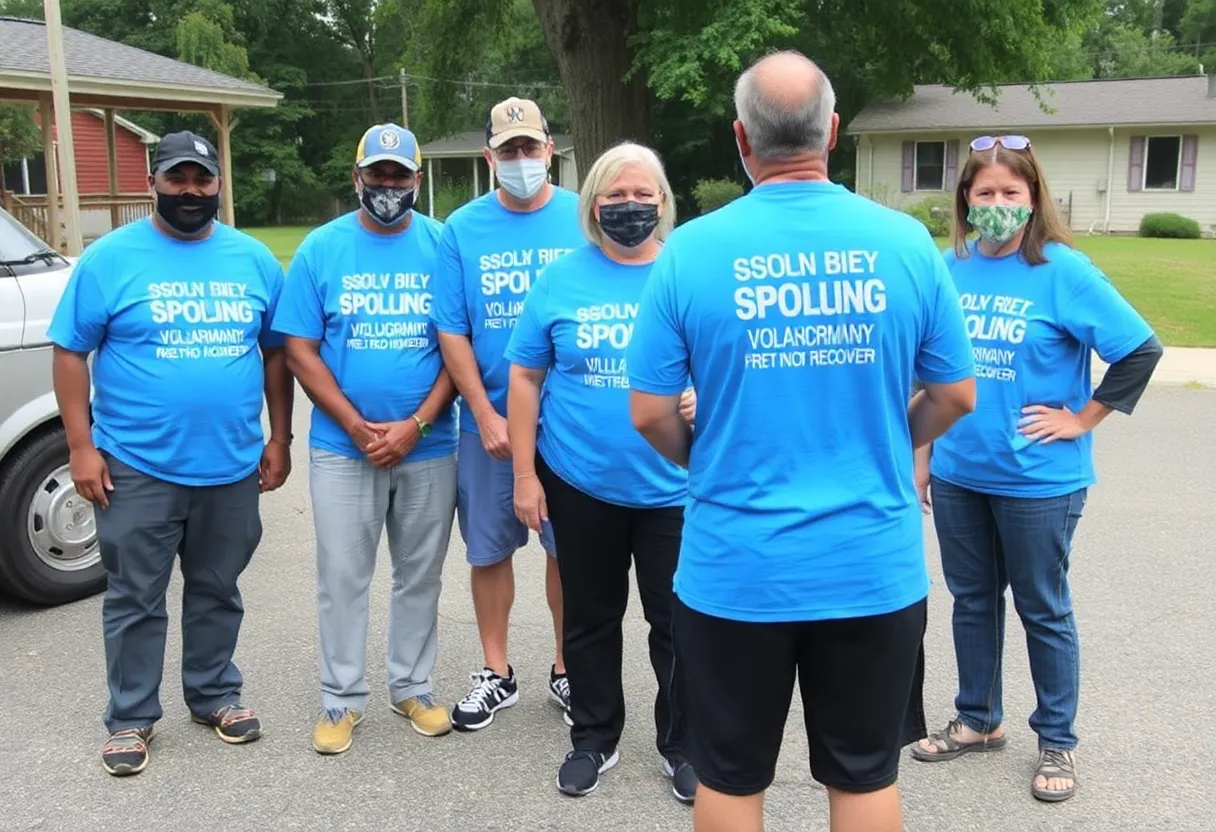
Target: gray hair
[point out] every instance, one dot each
(778, 127)
(605, 171)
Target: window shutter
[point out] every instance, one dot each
(1135, 164)
(907, 180)
(1190, 153)
(951, 178)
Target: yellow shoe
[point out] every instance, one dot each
(334, 731)
(428, 717)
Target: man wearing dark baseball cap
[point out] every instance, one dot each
(186, 203)
(178, 148)
(176, 309)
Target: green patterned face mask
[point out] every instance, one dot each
(998, 223)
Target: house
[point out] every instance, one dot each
(1111, 150)
(132, 146)
(106, 75)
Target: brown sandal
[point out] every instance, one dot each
(950, 748)
(1059, 765)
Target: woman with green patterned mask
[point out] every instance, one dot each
(999, 204)
(1010, 481)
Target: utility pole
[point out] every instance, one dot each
(405, 103)
(62, 107)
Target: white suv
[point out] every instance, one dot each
(48, 542)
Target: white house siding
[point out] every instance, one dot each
(1076, 164)
(1199, 204)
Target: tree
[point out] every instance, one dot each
(692, 53)
(1198, 26)
(19, 135)
(1127, 52)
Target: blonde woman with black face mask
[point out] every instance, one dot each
(610, 497)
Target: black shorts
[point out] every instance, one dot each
(861, 679)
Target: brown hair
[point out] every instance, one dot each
(1045, 225)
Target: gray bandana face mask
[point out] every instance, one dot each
(387, 205)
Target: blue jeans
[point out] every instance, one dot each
(989, 543)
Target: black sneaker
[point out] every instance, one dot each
(559, 692)
(489, 693)
(580, 773)
(234, 724)
(126, 751)
(683, 780)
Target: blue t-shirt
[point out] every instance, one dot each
(1032, 329)
(489, 257)
(802, 312)
(367, 298)
(177, 325)
(576, 323)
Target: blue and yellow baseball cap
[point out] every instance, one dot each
(389, 143)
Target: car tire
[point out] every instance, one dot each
(49, 553)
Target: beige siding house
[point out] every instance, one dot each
(1112, 151)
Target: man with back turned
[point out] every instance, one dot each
(802, 313)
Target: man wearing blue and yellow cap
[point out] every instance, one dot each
(382, 448)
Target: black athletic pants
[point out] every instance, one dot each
(595, 543)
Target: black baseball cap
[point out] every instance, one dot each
(176, 148)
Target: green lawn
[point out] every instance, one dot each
(1171, 282)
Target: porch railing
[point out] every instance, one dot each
(99, 213)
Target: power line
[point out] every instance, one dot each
(394, 82)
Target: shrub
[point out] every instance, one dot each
(714, 193)
(936, 212)
(1169, 225)
(450, 196)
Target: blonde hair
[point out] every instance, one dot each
(604, 172)
(1045, 225)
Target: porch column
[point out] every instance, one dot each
(224, 123)
(430, 186)
(46, 115)
(476, 178)
(112, 163)
(61, 105)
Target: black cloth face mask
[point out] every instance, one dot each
(628, 224)
(187, 213)
(387, 205)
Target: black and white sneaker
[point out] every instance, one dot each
(559, 692)
(683, 780)
(580, 773)
(490, 693)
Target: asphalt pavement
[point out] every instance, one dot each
(1143, 578)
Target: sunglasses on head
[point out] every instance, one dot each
(982, 143)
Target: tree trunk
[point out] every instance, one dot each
(589, 40)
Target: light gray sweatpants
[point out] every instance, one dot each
(353, 502)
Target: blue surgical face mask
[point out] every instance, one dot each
(523, 178)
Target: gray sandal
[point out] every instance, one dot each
(1058, 765)
(948, 748)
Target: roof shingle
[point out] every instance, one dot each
(23, 49)
(1132, 101)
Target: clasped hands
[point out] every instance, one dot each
(384, 444)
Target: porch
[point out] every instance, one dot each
(61, 69)
(98, 214)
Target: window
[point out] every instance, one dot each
(1162, 163)
(930, 166)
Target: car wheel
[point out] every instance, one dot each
(49, 552)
